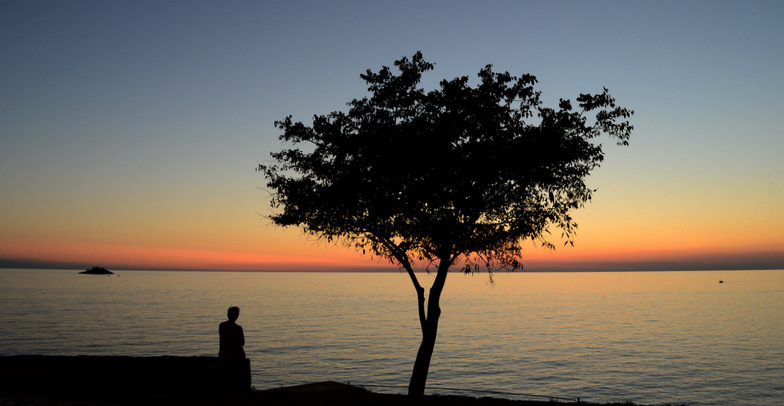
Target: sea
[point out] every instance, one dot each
(693, 338)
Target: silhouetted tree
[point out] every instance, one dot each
(456, 177)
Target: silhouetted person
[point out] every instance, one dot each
(231, 336)
(236, 369)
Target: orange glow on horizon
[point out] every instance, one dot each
(80, 254)
(135, 257)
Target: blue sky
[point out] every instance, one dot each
(138, 124)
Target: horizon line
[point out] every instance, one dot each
(399, 270)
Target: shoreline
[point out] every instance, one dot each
(167, 380)
(326, 393)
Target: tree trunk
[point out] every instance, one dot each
(416, 386)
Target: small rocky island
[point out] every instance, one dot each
(97, 270)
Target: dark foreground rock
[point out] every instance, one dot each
(334, 394)
(319, 394)
(89, 381)
(114, 374)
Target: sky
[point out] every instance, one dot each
(130, 131)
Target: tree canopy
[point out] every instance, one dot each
(458, 176)
(461, 171)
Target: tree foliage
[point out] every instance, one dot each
(460, 172)
(456, 176)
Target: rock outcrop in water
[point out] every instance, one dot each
(97, 270)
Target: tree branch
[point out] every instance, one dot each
(402, 258)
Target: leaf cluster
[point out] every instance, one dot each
(460, 172)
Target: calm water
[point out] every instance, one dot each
(648, 337)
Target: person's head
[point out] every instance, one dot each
(233, 313)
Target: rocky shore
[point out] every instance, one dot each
(89, 380)
(321, 394)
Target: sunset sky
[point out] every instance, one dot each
(130, 130)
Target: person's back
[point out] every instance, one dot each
(232, 338)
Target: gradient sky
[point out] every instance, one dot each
(129, 131)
